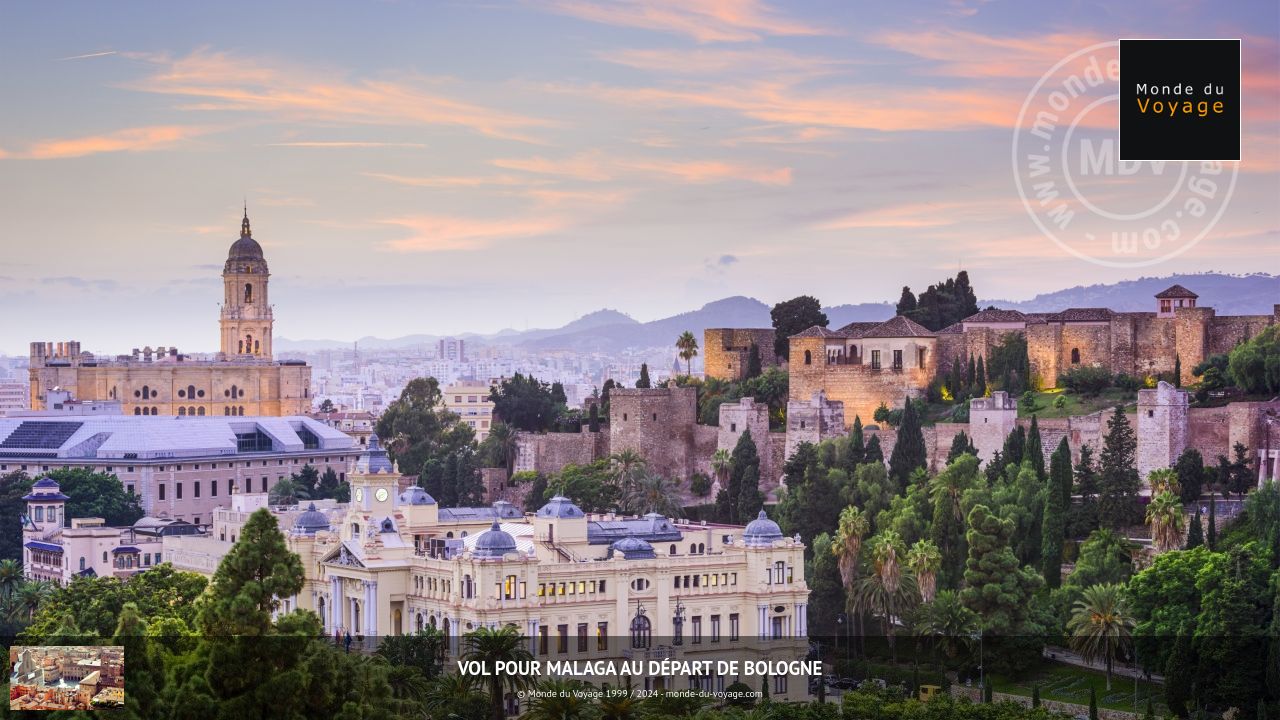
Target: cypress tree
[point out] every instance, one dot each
(994, 469)
(1015, 447)
(744, 457)
(1211, 537)
(1034, 450)
(643, 382)
(1035, 696)
(754, 365)
(960, 445)
(751, 502)
(956, 382)
(986, 691)
(971, 374)
(1177, 371)
(909, 451)
(1118, 481)
(593, 418)
(857, 447)
(1055, 515)
(874, 453)
(1195, 533)
(980, 378)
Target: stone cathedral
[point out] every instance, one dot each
(242, 378)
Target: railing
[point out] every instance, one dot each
(661, 652)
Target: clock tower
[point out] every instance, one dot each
(246, 311)
(374, 482)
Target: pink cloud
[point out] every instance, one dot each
(301, 94)
(703, 20)
(594, 166)
(440, 233)
(454, 181)
(959, 53)
(138, 139)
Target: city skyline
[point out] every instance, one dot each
(419, 167)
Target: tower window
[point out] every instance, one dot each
(248, 292)
(1075, 356)
(808, 358)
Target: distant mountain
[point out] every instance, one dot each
(1228, 294)
(610, 330)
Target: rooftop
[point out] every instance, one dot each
(1175, 291)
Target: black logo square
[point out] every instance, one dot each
(1179, 99)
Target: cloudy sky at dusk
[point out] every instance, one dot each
(452, 167)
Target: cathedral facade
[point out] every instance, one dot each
(241, 379)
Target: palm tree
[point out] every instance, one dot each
(652, 493)
(618, 708)
(29, 597)
(1100, 625)
(848, 542)
(948, 621)
(888, 591)
(1164, 479)
(504, 439)
(626, 465)
(688, 346)
(1167, 520)
(451, 690)
(10, 577)
(721, 463)
(490, 646)
(924, 559)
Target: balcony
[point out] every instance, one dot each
(661, 652)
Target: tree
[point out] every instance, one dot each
(980, 378)
(947, 490)
(644, 382)
(700, 485)
(906, 302)
(526, 403)
(254, 576)
(847, 544)
(1009, 366)
(652, 493)
(997, 588)
(947, 622)
(326, 406)
(751, 501)
(417, 428)
(1105, 557)
(1190, 470)
(924, 559)
(793, 316)
(593, 421)
(1167, 521)
(490, 646)
(1054, 528)
(1241, 479)
(909, 452)
(287, 492)
(96, 494)
(1118, 481)
(856, 447)
(887, 591)
(687, 344)
(743, 458)
(755, 365)
(874, 453)
(942, 304)
(960, 444)
(721, 462)
(1211, 537)
(1254, 365)
(330, 486)
(1100, 626)
(1034, 452)
(1093, 700)
(1195, 532)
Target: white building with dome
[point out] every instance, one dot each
(580, 586)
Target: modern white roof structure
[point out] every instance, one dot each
(134, 437)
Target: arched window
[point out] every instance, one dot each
(808, 358)
(257, 348)
(1075, 356)
(191, 391)
(248, 342)
(137, 411)
(468, 587)
(191, 411)
(200, 411)
(104, 556)
(240, 348)
(702, 548)
(146, 392)
(641, 632)
(248, 292)
(182, 411)
(82, 563)
(673, 550)
(419, 623)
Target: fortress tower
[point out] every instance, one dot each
(246, 311)
(1162, 428)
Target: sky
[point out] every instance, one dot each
(450, 167)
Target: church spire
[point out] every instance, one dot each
(244, 224)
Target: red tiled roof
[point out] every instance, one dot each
(991, 315)
(1082, 315)
(952, 329)
(1176, 291)
(899, 327)
(856, 329)
(817, 331)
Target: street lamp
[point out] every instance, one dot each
(678, 623)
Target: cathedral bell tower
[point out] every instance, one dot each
(246, 310)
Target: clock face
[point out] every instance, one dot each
(381, 494)
(359, 494)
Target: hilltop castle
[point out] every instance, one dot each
(864, 364)
(241, 379)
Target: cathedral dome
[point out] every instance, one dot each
(246, 248)
(761, 532)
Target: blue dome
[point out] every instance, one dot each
(560, 507)
(762, 531)
(311, 521)
(494, 543)
(633, 548)
(46, 482)
(374, 459)
(416, 496)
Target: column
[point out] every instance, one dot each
(371, 608)
(1263, 463)
(335, 604)
(533, 637)
(453, 636)
(762, 621)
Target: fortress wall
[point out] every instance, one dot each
(725, 351)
